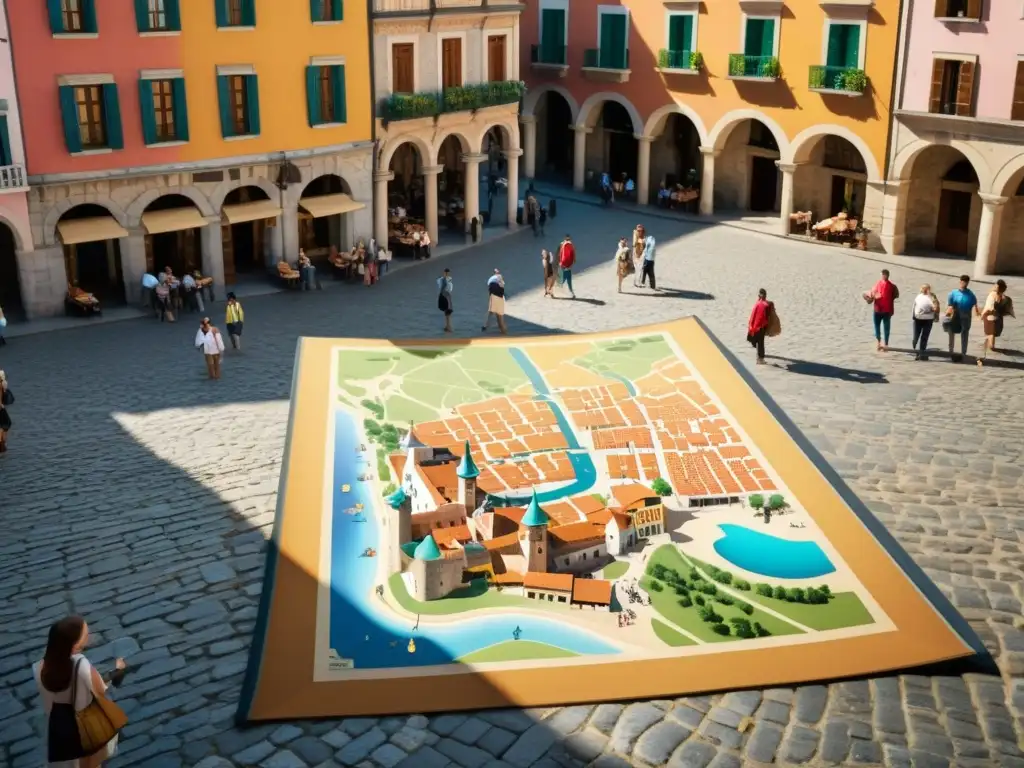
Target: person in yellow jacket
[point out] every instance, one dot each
(235, 317)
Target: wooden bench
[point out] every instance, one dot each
(289, 276)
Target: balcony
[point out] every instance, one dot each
(549, 58)
(743, 67)
(401, 6)
(679, 62)
(410, 106)
(840, 81)
(12, 177)
(606, 66)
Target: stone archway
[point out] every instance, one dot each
(830, 174)
(548, 135)
(943, 206)
(251, 218)
(173, 225)
(450, 153)
(496, 162)
(326, 210)
(676, 134)
(747, 148)
(10, 280)
(1007, 255)
(92, 251)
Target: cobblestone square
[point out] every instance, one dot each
(140, 494)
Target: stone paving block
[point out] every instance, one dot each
(311, 749)
(690, 718)
(445, 725)
(764, 742)
(605, 717)
(361, 746)
(810, 703)
(530, 746)
(283, 759)
(725, 760)
(409, 739)
(388, 755)
(586, 744)
(461, 754)
(496, 740)
(337, 738)
(254, 754)
(658, 743)
(744, 703)
(800, 744)
(693, 754)
(470, 731)
(569, 719)
(632, 722)
(425, 758)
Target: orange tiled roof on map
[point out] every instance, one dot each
(575, 533)
(515, 514)
(629, 494)
(586, 503)
(502, 541)
(509, 577)
(446, 537)
(593, 591)
(397, 462)
(555, 582)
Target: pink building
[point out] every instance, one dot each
(15, 232)
(956, 165)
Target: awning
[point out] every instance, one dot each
(172, 220)
(328, 205)
(239, 213)
(91, 230)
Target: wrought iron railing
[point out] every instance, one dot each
(408, 106)
(549, 54)
(12, 177)
(669, 59)
(762, 67)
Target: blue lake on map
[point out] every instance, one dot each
(374, 638)
(768, 555)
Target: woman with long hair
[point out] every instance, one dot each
(62, 670)
(997, 306)
(547, 263)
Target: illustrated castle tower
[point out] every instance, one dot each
(398, 525)
(415, 453)
(533, 536)
(468, 473)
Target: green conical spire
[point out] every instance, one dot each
(427, 549)
(396, 499)
(467, 467)
(535, 515)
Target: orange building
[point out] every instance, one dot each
(762, 105)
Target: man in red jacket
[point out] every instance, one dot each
(566, 261)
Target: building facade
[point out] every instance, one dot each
(148, 146)
(765, 105)
(447, 92)
(956, 180)
(15, 233)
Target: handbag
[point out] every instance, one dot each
(8, 397)
(99, 722)
(774, 327)
(951, 323)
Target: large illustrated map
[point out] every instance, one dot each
(548, 520)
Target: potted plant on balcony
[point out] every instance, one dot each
(696, 60)
(770, 68)
(663, 58)
(854, 80)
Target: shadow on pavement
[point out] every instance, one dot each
(825, 371)
(676, 293)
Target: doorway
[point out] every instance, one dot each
(95, 267)
(558, 145)
(763, 184)
(244, 242)
(10, 283)
(180, 250)
(951, 235)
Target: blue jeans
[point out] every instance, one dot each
(965, 332)
(567, 279)
(883, 321)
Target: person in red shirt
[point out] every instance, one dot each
(757, 325)
(566, 261)
(883, 297)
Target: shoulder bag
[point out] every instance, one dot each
(99, 722)
(774, 327)
(8, 398)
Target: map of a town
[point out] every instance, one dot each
(502, 514)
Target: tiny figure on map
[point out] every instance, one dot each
(517, 633)
(412, 645)
(380, 591)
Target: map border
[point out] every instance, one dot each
(279, 682)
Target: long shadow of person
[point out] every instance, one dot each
(826, 371)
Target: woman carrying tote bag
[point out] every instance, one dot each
(81, 723)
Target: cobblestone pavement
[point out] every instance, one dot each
(139, 494)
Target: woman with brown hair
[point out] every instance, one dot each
(997, 306)
(62, 671)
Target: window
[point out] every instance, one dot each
(325, 10)
(613, 38)
(680, 32)
(6, 157)
(531, 595)
(759, 38)
(958, 9)
(403, 71)
(72, 17)
(451, 62)
(238, 95)
(239, 105)
(561, 598)
(496, 58)
(843, 47)
(1017, 111)
(91, 116)
(326, 102)
(552, 36)
(236, 13)
(952, 90)
(164, 109)
(158, 15)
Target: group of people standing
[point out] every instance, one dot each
(637, 259)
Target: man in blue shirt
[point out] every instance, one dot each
(962, 304)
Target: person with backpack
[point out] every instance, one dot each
(495, 301)
(566, 261)
(758, 326)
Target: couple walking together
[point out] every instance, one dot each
(495, 301)
(565, 259)
(637, 260)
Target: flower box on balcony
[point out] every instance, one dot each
(679, 62)
(410, 106)
(841, 81)
(743, 67)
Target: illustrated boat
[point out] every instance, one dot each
(364, 477)
(359, 505)
(351, 511)
(346, 488)
(369, 552)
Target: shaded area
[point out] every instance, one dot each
(826, 371)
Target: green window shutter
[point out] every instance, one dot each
(836, 43)
(112, 116)
(142, 15)
(252, 95)
(338, 85)
(227, 126)
(180, 109)
(314, 10)
(56, 17)
(89, 16)
(768, 40)
(313, 95)
(613, 40)
(852, 46)
(172, 9)
(69, 117)
(755, 34)
(338, 7)
(221, 8)
(680, 32)
(553, 34)
(6, 158)
(147, 111)
(248, 13)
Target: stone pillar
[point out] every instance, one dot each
(988, 234)
(786, 202)
(529, 145)
(212, 240)
(874, 212)
(380, 206)
(44, 281)
(579, 156)
(707, 180)
(512, 157)
(288, 237)
(643, 168)
(430, 190)
(471, 193)
(894, 217)
(133, 263)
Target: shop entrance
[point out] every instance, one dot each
(10, 284)
(92, 252)
(248, 212)
(173, 229)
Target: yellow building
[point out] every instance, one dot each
(644, 507)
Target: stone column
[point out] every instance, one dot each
(213, 254)
(707, 180)
(512, 157)
(579, 156)
(988, 234)
(380, 206)
(133, 263)
(786, 203)
(471, 193)
(894, 217)
(289, 222)
(430, 190)
(643, 167)
(529, 145)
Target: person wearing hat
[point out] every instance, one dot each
(233, 321)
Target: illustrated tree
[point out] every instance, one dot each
(661, 487)
(756, 501)
(776, 502)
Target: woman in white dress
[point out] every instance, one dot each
(68, 637)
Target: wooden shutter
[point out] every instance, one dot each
(340, 98)
(935, 97)
(6, 158)
(56, 17)
(314, 10)
(112, 116)
(221, 9)
(180, 109)
(248, 13)
(680, 32)
(1017, 111)
(496, 58)
(755, 34)
(940, 8)
(974, 9)
(338, 6)
(965, 89)
(252, 97)
(402, 55)
(227, 124)
(451, 62)
(69, 117)
(552, 41)
(172, 10)
(768, 38)
(146, 109)
(142, 15)
(89, 17)
(313, 95)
